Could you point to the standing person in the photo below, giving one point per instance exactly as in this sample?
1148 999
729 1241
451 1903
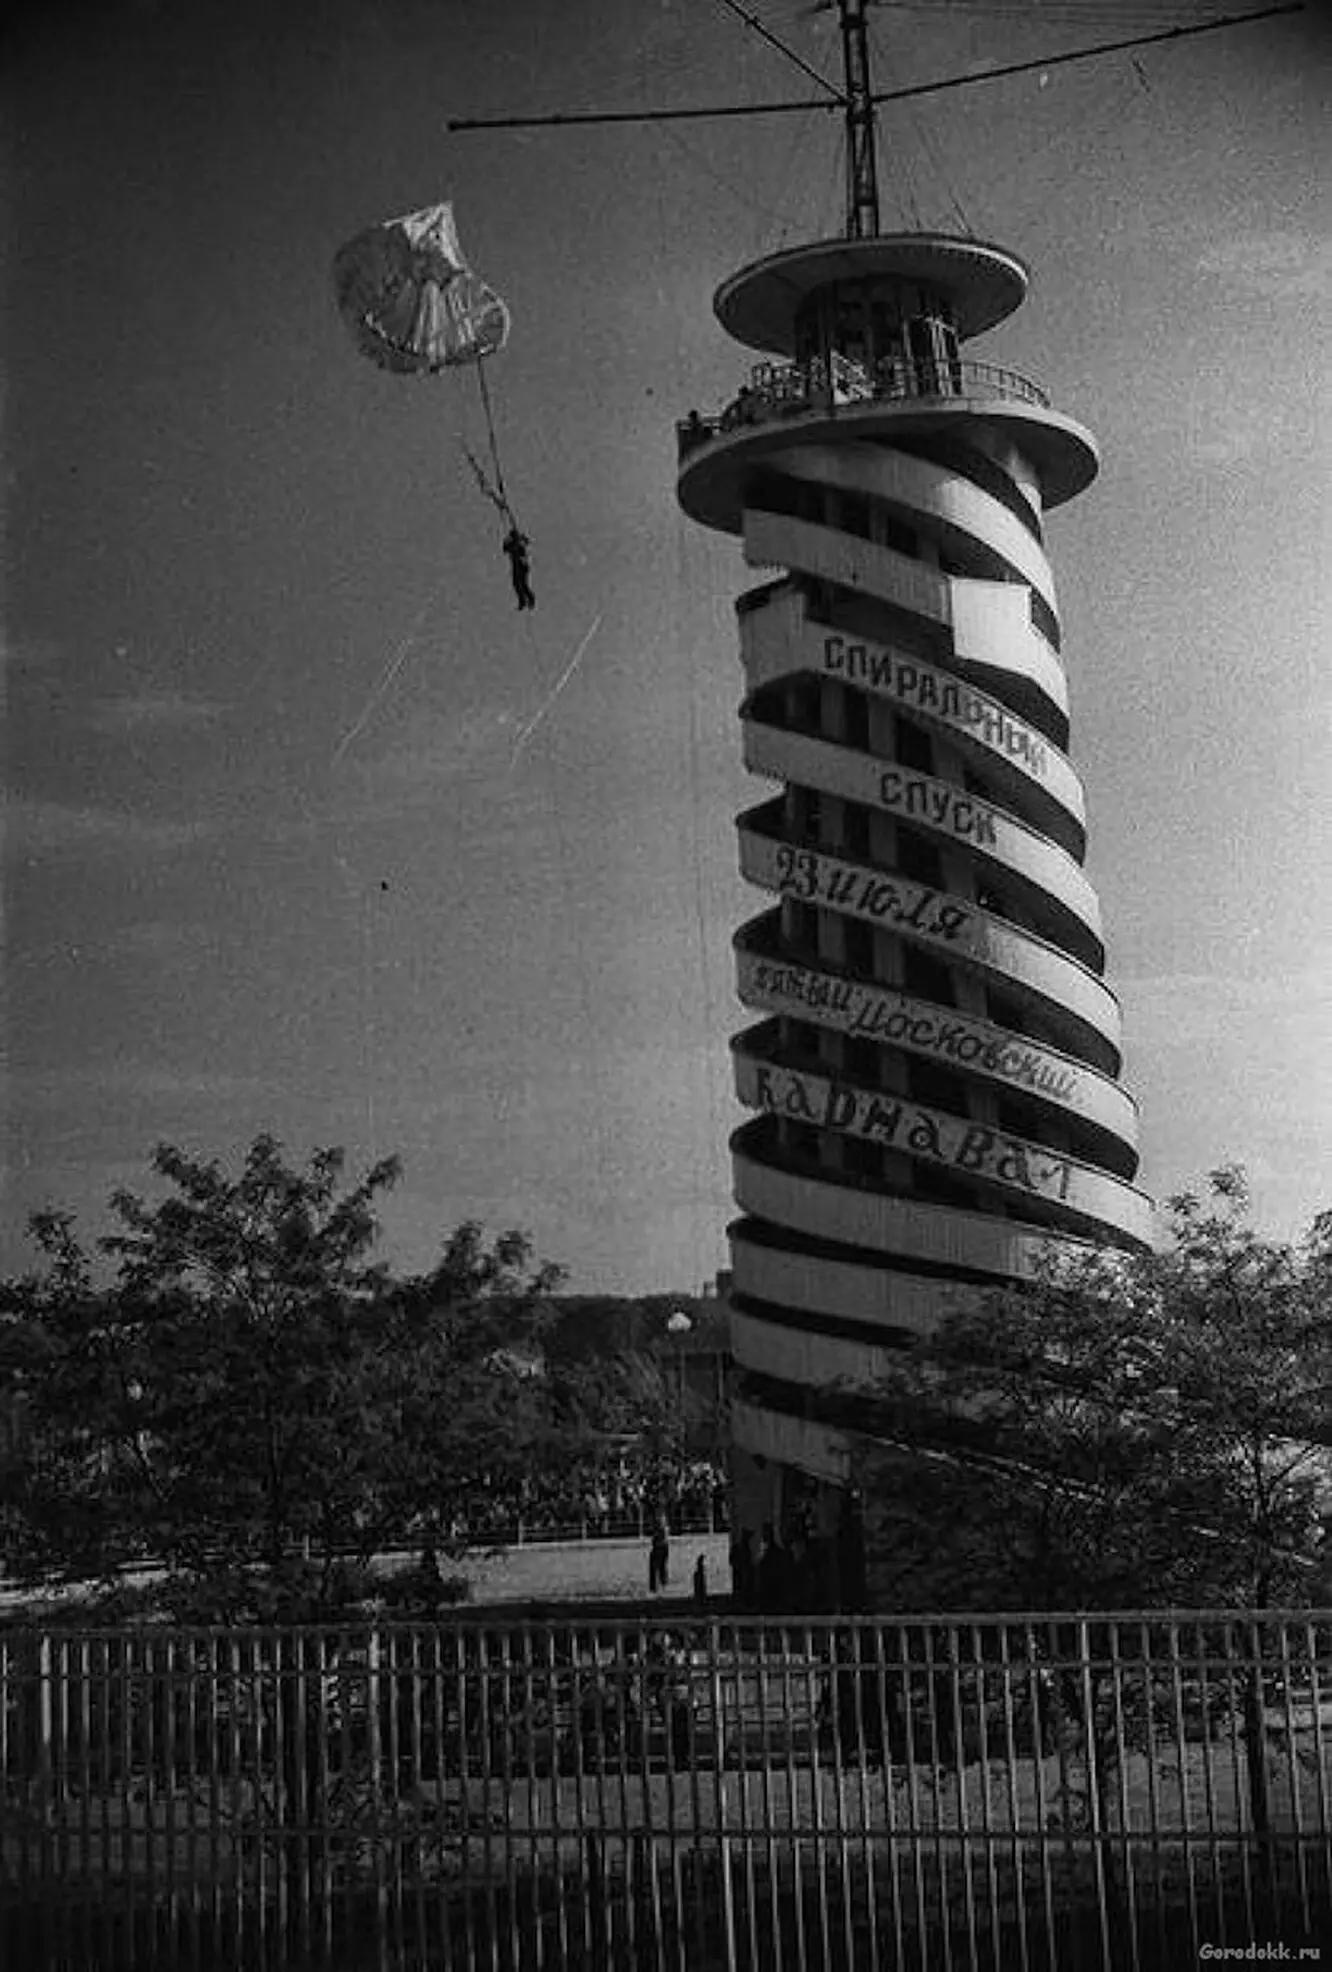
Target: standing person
659 1558
773 1573
701 1581
743 1567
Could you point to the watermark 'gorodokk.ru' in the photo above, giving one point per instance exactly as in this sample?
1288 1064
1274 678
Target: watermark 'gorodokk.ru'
1273 1954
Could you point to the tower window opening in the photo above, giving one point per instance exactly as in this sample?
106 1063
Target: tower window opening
777 493
1023 1119
927 977
799 928
895 534
915 748
803 703
918 859
802 1141
861 1060
855 831
807 814
859 948
804 1040
861 1158
942 1187
938 1087
817 597
854 517
1005 1011
990 899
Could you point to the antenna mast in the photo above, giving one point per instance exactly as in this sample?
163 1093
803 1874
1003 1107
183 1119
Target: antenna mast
862 177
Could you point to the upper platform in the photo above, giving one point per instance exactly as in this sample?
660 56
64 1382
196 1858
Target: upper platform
981 283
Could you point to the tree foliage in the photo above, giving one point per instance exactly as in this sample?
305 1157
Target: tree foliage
1128 1431
242 1385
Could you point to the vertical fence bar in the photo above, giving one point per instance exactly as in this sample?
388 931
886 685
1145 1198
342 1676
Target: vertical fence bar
1293 1682
1239 1763
45 1764
1048 1718
1121 1853
1155 1816
570 1751
1178 1664
126 1695
891 1714
1012 1835
1095 1796
944 1886
62 1765
725 1680
87 1876
760 1635
1321 1749
913 1832
166 1680
688 1734
956 1738
189 1726
876 1758
827 1731
978 1682
206 1736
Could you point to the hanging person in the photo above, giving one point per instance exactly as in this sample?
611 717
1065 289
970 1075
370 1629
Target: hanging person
516 547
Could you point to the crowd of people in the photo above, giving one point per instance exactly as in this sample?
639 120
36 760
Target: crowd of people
626 1499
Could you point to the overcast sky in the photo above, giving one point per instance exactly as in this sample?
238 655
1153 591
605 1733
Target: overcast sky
246 893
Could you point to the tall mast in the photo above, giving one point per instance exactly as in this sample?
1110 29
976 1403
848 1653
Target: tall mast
862 179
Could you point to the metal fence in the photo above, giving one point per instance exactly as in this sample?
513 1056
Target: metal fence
1011 1792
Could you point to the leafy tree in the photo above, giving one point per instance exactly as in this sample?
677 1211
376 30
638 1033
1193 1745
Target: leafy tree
463 1387
1127 1431
72 1465
207 1403
249 1396
620 1365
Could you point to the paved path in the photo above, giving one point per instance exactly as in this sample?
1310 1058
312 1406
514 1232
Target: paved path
545 1571
573 1571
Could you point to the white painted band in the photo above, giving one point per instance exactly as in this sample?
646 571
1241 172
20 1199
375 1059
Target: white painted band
972 1150
777 640
796 1355
990 621
919 486
934 918
959 1040
940 807
813 1448
908 1228
874 1297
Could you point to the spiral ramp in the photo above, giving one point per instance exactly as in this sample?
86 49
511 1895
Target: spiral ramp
933 1071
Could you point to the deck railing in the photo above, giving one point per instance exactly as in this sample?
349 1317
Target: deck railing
1019 1792
782 390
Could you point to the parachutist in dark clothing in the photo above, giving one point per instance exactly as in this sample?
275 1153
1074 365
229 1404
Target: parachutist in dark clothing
520 567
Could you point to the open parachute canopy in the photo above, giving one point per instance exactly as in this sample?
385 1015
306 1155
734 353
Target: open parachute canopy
410 299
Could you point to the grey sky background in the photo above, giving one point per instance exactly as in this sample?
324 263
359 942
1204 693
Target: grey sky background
504 953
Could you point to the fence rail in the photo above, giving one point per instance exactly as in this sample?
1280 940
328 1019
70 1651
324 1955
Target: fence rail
1015 1792
781 390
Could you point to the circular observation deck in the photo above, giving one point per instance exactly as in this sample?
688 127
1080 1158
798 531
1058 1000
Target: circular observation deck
982 284
786 403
